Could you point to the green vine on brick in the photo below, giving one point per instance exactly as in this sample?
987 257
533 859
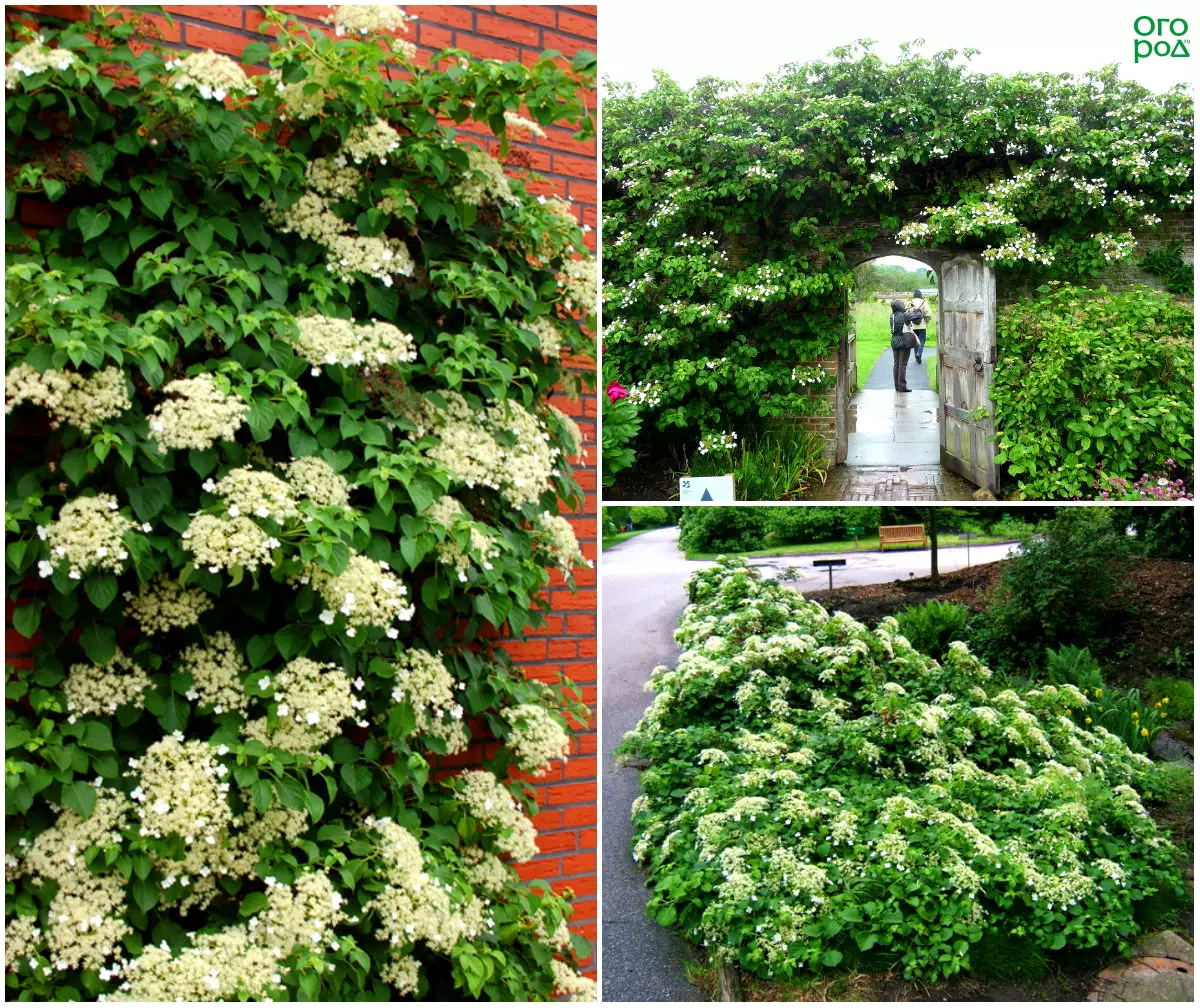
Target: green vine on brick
281 462
1167 263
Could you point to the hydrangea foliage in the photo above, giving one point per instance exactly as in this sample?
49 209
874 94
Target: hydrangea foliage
281 462
818 790
729 209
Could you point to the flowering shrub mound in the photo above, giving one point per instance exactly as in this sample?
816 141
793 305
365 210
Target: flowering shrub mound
280 454
1093 393
818 791
730 209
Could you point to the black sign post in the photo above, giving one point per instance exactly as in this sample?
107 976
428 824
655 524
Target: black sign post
829 564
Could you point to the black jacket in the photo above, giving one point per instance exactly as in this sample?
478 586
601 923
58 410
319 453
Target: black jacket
901 339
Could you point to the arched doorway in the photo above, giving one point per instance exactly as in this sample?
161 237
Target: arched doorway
918 446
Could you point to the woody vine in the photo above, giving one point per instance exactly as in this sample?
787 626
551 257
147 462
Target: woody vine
281 461
730 211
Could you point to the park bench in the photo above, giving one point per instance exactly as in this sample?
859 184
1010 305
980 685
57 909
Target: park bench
889 535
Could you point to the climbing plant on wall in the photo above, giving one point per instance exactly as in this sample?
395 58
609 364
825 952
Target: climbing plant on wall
280 458
729 208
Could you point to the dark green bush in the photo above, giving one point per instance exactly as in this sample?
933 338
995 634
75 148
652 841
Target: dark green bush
1057 590
821 524
720 529
649 517
932 626
1090 381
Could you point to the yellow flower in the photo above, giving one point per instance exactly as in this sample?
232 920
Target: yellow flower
1166 699
1135 715
1162 715
1099 692
1088 720
1068 713
1145 732
1099 708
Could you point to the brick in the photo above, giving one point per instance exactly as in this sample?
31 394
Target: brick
583 885
572 794
563 43
39 214
563 649
167 32
544 16
434 36
587 839
453 16
547 869
556 843
581 767
581 624
548 819
580 672
486 48
581 815
584 168
231 15
522 651
578 24
583 911
217 39
508 29
314 12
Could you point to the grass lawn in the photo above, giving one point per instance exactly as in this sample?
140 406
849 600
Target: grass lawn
873 336
866 544
612 540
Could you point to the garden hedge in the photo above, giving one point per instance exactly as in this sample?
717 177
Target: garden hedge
281 464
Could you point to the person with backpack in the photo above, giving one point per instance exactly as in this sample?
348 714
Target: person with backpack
904 339
919 304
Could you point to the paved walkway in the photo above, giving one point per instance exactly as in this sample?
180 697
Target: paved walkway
892 447
643 583
643 597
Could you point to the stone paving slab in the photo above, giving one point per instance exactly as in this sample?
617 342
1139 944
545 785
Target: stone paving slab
881 482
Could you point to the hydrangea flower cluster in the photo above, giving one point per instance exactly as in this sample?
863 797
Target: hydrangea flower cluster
212 74
915 772
555 536
718 441
311 701
491 803
221 543
425 684
35 58
163 604
71 398
485 180
536 738
257 493
321 340
470 445
90 533
481 547
316 479
367 593
217 669
182 790
199 416
366 19
94 689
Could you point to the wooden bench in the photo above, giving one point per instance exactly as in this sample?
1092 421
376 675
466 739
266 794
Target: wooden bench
889 535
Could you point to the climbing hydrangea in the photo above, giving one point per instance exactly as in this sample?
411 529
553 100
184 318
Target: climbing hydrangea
916 774
201 415
90 533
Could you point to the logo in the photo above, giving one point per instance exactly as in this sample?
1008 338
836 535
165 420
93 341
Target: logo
1167 35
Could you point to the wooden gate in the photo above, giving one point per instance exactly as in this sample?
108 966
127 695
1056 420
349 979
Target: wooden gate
966 353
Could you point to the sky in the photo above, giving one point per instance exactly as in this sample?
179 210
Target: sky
747 39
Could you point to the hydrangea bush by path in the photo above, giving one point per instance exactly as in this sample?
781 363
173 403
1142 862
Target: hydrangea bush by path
282 463
730 209
818 790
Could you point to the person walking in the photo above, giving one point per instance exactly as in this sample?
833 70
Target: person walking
903 342
919 304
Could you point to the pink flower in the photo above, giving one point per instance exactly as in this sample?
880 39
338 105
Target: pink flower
616 391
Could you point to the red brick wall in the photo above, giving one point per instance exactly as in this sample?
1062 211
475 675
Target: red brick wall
567 643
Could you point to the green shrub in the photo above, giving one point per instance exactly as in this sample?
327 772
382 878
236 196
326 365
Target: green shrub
724 529
281 465
1057 590
1012 958
1179 695
1013 528
1092 380
621 424
1075 666
792 525
816 788
1127 715
931 627
1166 532
649 516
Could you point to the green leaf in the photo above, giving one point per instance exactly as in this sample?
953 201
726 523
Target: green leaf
157 200
145 894
92 224
27 618
357 778
114 251
831 957
259 649
254 903
260 794
101 589
99 644
80 796
666 916
53 189
316 807
96 735
255 52
291 640
291 793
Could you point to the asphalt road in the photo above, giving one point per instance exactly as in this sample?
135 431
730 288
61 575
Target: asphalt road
642 582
